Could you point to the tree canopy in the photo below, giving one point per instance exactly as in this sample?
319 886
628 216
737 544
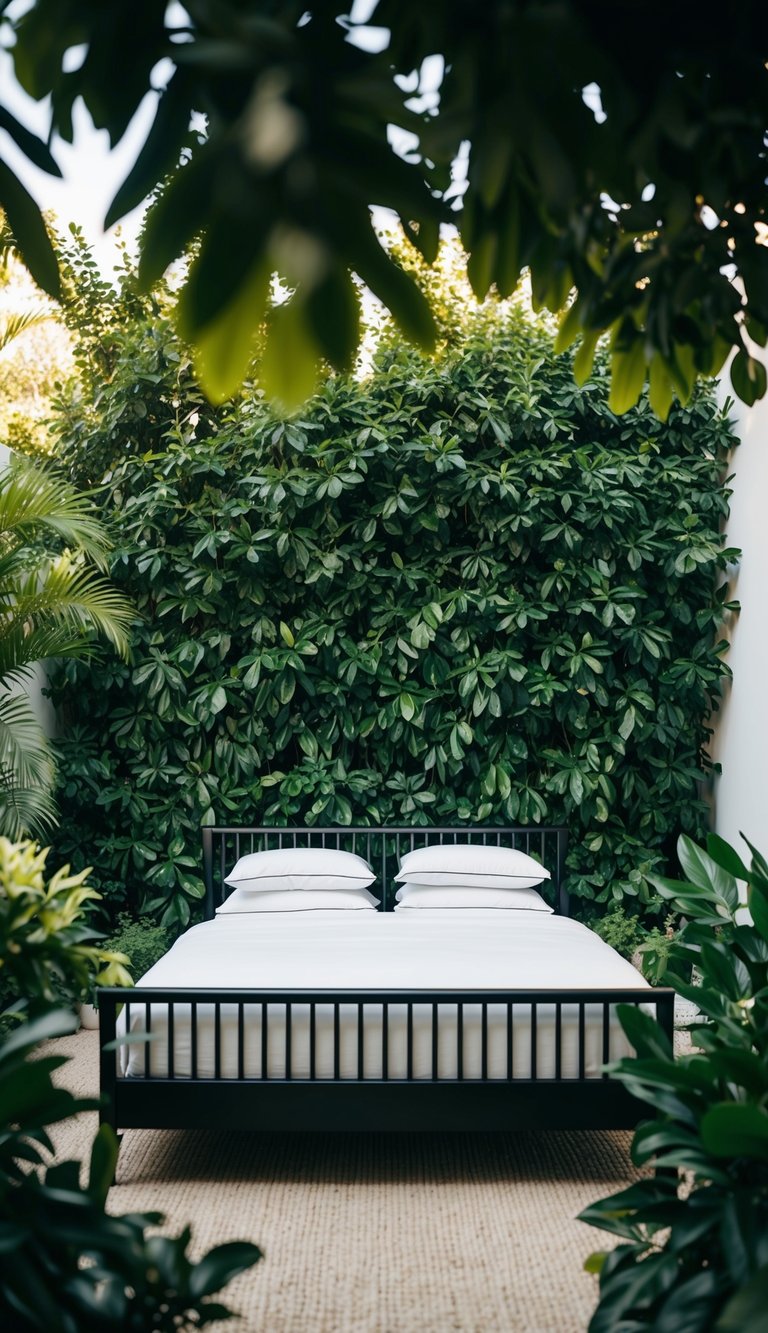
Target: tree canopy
617 152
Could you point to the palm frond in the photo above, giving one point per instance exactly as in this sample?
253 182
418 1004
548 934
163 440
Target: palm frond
67 593
33 499
25 811
16 324
22 646
24 749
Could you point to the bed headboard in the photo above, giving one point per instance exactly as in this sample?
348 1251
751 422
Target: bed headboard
382 847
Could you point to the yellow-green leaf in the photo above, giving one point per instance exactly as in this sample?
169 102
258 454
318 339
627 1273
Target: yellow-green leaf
570 328
224 349
290 363
582 362
627 377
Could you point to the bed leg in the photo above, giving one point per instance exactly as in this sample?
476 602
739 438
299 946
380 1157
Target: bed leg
108 1068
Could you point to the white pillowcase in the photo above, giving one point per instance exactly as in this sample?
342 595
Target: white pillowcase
299 901
469 895
300 869
464 863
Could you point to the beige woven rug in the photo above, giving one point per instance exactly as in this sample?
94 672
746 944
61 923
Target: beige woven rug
376 1233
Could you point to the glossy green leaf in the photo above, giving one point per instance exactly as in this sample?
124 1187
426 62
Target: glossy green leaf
660 390
748 377
161 151
733 1129
29 231
745 1311
220 1265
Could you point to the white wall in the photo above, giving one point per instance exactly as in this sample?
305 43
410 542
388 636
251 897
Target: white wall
740 743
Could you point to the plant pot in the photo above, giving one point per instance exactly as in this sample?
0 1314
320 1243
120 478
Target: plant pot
89 1017
685 1012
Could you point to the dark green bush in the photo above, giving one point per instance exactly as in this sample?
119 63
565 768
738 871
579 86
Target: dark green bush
142 941
457 590
693 1251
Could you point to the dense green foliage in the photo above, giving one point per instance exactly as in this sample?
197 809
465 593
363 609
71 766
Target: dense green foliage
459 590
697 1259
142 942
613 149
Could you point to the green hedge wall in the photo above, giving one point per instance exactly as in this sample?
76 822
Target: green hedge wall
460 590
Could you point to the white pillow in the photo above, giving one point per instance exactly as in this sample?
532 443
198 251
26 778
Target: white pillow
469 895
302 901
464 863
300 869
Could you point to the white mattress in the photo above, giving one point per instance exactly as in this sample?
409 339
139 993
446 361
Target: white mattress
428 949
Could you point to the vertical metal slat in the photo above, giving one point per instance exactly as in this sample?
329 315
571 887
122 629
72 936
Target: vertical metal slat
360 1041
558 1040
171 1041
581 1039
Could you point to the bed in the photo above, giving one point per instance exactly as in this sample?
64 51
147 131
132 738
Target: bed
375 1020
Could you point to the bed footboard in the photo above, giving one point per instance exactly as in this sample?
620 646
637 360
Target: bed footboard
367 1060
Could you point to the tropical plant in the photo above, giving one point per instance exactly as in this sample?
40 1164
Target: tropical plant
48 948
452 591
696 1258
52 604
630 170
66 1265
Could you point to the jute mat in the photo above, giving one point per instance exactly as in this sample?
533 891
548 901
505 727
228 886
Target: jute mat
376 1233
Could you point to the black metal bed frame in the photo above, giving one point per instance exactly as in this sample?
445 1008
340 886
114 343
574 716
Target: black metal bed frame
291 1102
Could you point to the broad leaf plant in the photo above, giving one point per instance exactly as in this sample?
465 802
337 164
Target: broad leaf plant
693 1251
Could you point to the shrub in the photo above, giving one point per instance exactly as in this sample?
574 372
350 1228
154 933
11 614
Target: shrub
697 1258
142 941
624 933
458 590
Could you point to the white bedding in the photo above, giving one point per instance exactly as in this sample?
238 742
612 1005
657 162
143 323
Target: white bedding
429 949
